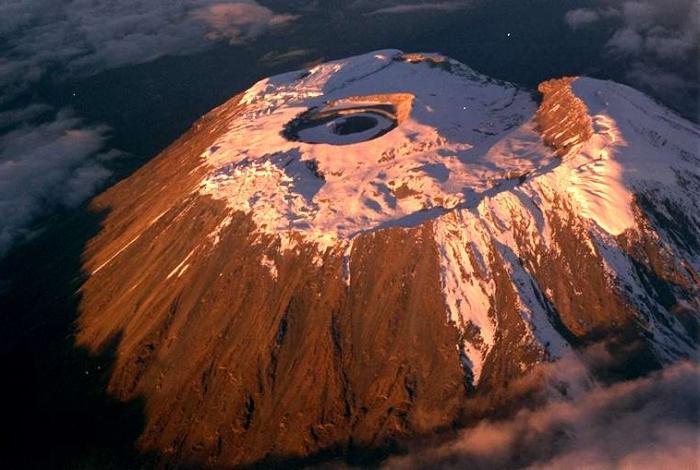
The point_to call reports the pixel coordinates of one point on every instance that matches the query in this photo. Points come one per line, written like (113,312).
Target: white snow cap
(388,138)
(431,135)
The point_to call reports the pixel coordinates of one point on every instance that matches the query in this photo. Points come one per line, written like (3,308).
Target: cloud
(626,41)
(653,38)
(274,58)
(83,37)
(241,21)
(46,165)
(668,30)
(420,7)
(15,117)
(648,423)
(581,17)
(52,160)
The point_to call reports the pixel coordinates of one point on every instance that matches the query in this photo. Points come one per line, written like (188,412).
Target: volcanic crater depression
(342,124)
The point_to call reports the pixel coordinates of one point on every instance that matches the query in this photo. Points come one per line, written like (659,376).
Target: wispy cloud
(273,58)
(46,165)
(648,423)
(239,22)
(581,17)
(51,159)
(660,41)
(87,36)
(420,8)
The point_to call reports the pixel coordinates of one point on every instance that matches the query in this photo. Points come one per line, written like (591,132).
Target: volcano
(348,257)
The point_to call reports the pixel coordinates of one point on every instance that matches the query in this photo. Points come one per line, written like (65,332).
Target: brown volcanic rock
(249,345)
(591,305)
(562,117)
(236,365)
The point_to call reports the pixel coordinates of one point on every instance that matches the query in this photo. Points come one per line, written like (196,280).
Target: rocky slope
(373,249)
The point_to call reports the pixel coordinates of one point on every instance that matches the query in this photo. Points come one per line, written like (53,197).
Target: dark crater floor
(342,125)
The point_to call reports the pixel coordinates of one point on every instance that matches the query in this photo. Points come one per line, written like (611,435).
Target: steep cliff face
(276,298)
(562,117)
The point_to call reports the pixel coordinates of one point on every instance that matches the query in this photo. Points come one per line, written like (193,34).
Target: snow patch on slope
(595,179)
(467,284)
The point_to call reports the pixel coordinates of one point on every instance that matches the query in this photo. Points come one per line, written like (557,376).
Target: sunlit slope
(380,247)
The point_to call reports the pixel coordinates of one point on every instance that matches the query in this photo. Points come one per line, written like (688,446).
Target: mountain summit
(377,248)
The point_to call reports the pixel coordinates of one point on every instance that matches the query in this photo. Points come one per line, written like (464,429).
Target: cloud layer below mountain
(649,423)
(52,159)
(86,36)
(44,166)
(658,41)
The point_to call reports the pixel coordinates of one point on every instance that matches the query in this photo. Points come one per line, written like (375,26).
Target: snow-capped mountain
(374,248)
